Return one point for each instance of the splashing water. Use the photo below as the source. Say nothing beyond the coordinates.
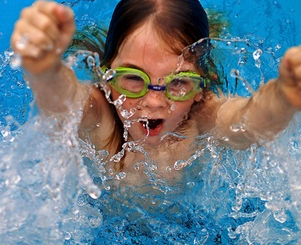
(242, 180)
(55, 188)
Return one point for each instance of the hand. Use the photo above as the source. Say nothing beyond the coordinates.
(41, 35)
(290, 76)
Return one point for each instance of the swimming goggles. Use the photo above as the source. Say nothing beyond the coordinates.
(135, 83)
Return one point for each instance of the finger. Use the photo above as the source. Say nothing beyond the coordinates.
(292, 58)
(30, 34)
(66, 17)
(41, 21)
(62, 15)
(47, 8)
(297, 74)
(28, 50)
(290, 67)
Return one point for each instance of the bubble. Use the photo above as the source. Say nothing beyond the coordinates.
(96, 221)
(68, 236)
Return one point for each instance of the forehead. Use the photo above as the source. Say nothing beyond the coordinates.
(144, 49)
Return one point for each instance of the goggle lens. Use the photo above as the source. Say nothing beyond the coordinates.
(135, 83)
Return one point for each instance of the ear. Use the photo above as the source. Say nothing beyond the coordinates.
(198, 97)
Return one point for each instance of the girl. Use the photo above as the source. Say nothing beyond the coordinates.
(144, 41)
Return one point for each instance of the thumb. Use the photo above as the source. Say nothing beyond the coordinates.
(65, 17)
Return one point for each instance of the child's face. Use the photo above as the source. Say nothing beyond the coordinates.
(142, 50)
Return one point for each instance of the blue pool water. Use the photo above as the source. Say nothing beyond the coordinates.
(47, 195)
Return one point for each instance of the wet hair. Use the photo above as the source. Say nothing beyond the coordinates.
(178, 23)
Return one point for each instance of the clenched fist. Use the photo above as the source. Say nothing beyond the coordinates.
(42, 34)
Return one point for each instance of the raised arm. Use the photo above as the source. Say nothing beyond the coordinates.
(40, 37)
(268, 111)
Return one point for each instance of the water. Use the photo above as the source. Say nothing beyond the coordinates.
(54, 188)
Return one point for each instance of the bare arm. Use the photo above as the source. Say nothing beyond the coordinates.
(271, 108)
(40, 37)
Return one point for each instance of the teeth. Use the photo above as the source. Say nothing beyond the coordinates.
(151, 123)
(144, 124)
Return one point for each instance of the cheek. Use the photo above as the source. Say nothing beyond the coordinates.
(128, 103)
(181, 109)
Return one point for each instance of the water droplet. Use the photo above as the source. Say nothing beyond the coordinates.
(225, 138)
(256, 54)
(68, 236)
(234, 73)
(235, 128)
(280, 216)
(173, 107)
(16, 61)
(58, 51)
(106, 185)
(190, 184)
(179, 164)
(91, 62)
(93, 191)
(81, 201)
(243, 51)
(95, 222)
(21, 44)
(122, 175)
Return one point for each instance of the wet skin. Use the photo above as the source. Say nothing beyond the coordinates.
(143, 50)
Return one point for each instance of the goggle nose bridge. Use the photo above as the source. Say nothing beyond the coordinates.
(156, 87)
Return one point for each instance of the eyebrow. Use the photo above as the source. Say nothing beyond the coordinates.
(129, 65)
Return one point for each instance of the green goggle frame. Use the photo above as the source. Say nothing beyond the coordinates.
(135, 83)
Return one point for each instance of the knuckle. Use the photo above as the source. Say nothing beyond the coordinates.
(40, 3)
(26, 12)
(41, 39)
(18, 26)
(45, 24)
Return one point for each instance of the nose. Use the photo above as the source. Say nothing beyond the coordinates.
(154, 100)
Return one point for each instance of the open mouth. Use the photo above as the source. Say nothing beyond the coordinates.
(152, 127)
